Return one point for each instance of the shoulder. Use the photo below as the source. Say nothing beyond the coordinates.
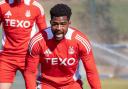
(78, 33)
(47, 33)
(3, 6)
(82, 40)
(34, 42)
(38, 7)
(2, 2)
(38, 37)
(74, 33)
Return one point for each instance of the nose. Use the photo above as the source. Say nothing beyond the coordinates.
(59, 27)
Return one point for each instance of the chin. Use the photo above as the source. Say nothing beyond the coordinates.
(59, 39)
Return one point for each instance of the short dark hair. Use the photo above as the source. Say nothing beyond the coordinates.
(60, 10)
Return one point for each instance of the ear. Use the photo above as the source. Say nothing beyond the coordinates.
(69, 22)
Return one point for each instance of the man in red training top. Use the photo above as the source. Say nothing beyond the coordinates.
(18, 19)
(59, 49)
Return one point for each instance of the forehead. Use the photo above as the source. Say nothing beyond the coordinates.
(60, 18)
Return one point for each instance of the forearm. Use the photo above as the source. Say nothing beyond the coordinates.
(92, 73)
(31, 72)
(94, 80)
(30, 79)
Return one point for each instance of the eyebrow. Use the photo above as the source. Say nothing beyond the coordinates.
(61, 23)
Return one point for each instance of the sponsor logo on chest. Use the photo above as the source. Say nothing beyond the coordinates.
(61, 61)
(58, 60)
(16, 22)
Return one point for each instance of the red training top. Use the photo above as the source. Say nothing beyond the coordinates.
(18, 24)
(60, 60)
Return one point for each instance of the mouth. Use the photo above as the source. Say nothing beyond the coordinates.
(59, 36)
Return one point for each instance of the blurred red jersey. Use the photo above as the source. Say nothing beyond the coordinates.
(59, 61)
(18, 24)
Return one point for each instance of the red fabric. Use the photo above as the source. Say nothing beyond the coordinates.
(17, 22)
(8, 68)
(60, 60)
(72, 85)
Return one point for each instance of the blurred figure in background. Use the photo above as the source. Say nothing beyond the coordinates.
(18, 19)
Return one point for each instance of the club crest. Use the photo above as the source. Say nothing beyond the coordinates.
(28, 13)
(71, 50)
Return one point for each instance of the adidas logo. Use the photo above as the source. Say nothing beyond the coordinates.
(8, 14)
(47, 52)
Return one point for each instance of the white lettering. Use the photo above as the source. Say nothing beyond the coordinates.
(7, 22)
(71, 61)
(17, 23)
(26, 24)
(61, 61)
(54, 61)
(47, 59)
(13, 23)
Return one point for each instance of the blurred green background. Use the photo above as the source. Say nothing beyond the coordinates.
(105, 23)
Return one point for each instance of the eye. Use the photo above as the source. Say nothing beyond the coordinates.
(59, 23)
(63, 23)
(54, 23)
